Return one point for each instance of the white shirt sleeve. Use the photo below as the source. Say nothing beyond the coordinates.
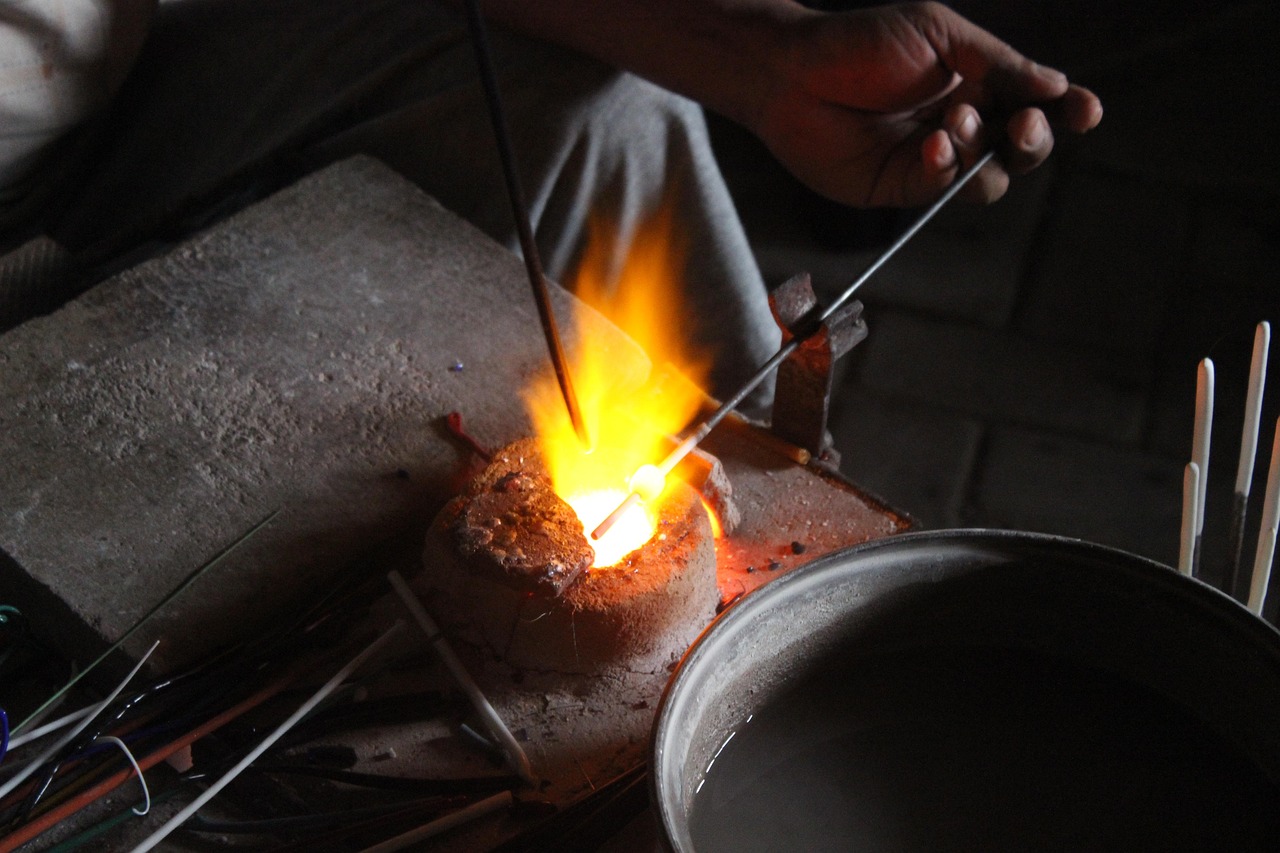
(60, 62)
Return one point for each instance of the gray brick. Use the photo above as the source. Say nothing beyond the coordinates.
(157, 417)
(1004, 376)
(1104, 265)
(913, 458)
(1122, 498)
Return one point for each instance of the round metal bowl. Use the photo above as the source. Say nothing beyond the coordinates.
(974, 690)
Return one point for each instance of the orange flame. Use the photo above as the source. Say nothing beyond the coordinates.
(628, 411)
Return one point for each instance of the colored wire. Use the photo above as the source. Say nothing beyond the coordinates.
(4, 735)
(408, 815)
(146, 793)
(46, 821)
(30, 768)
(104, 826)
(293, 824)
(465, 785)
(329, 686)
(7, 612)
(174, 593)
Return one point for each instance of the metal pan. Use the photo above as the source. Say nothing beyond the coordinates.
(974, 690)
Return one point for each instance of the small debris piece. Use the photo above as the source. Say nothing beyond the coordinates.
(456, 367)
(774, 565)
(798, 548)
(751, 570)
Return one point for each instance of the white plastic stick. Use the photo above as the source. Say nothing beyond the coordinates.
(1267, 537)
(280, 731)
(1200, 447)
(1253, 408)
(39, 732)
(1190, 506)
(515, 754)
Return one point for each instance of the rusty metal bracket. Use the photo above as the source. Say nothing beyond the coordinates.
(802, 400)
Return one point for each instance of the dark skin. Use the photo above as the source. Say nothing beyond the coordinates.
(875, 107)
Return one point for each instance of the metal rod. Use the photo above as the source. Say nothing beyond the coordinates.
(1248, 453)
(688, 444)
(520, 213)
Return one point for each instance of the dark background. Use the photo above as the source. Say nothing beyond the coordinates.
(1032, 364)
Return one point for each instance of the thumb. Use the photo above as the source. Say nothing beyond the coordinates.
(993, 73)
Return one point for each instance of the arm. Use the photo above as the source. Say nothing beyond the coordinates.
(879, 106)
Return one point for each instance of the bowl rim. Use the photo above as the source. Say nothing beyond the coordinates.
(1166, 581)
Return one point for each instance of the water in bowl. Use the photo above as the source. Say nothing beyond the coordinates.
(979, 749)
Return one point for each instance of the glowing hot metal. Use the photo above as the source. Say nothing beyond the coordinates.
(689, 443)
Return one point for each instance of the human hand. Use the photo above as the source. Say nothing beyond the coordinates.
(884, 106)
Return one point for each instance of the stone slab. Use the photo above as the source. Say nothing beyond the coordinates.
(298, 357)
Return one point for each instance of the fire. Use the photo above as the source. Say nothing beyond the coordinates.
(629, 410)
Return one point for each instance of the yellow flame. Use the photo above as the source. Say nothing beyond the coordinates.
(628, 410)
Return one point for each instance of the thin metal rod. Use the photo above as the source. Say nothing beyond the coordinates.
(1248, 453)
(520, 213)
(443, 824)
(688, 444)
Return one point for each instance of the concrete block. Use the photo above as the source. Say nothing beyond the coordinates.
(999, 376)
(300, 356)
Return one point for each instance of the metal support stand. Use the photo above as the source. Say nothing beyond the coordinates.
(802, 400)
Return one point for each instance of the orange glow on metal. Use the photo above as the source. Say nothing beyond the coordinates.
(630, 409)
(717, 529)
